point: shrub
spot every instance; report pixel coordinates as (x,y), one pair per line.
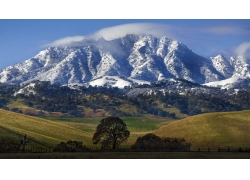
(71,146)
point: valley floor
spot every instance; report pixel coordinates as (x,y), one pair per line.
(129,155)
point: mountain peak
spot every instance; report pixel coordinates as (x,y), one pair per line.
(139,57)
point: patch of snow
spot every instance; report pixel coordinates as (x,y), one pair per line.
(110,81)
(223,84)
(29,89)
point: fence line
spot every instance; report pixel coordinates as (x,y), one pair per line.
(11,148)
(220,149)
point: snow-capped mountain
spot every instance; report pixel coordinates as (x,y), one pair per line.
(236,71)
(232,66)
(129,59)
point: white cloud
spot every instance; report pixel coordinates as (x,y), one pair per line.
(115,32)
(243,50)
(67,41)
(133,28)
(183,33)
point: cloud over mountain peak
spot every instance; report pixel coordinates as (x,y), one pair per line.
(114,32)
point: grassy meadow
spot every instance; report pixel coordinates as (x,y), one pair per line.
(223,129)
(49,131)
(211,130)
(138,126)
(39,131)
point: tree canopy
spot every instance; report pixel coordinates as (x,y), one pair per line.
(111,132)
(151,142)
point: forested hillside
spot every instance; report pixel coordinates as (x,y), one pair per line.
(160,99)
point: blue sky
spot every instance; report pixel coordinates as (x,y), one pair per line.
(22,39)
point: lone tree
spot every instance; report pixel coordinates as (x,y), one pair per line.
(111,132)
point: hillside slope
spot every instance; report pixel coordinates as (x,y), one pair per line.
(229,129)
(39,129)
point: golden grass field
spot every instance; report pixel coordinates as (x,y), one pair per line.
(223,129)
(40,129)
(138,126)
(53,130)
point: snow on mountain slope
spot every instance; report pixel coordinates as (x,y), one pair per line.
(234,82)
(224,84)
(142,58)
(236,71)
(241,66)
(222,65)
(27,90)
(110,81)
(29,69)
(115,81)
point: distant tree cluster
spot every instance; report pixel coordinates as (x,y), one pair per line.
(146,105)
(55,98)
(151,142)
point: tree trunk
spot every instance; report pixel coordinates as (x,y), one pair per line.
(114,144)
